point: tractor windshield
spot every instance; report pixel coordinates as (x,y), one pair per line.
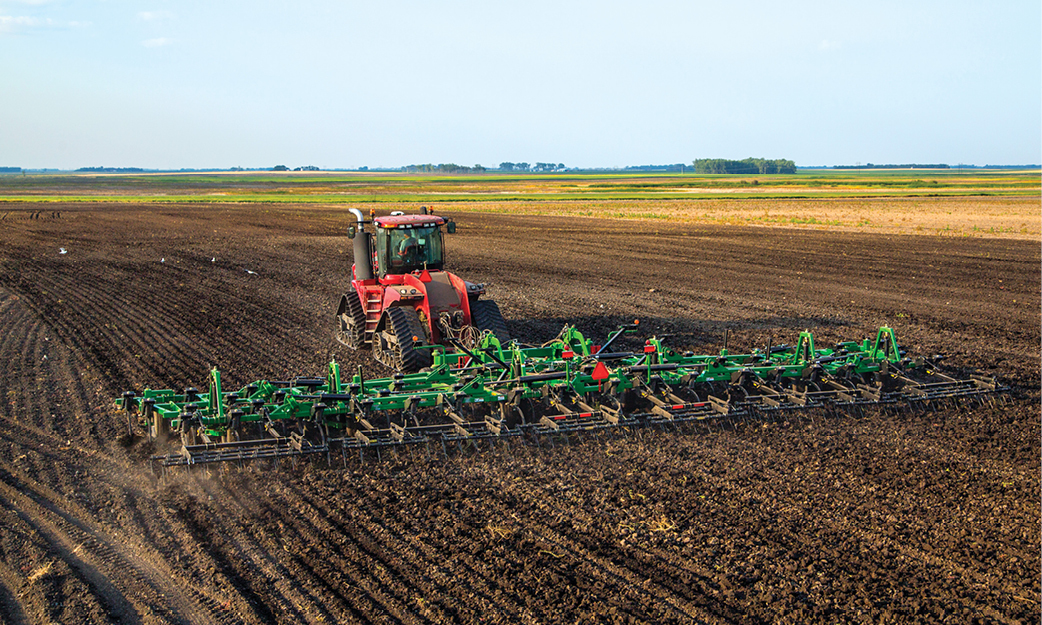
(404,250)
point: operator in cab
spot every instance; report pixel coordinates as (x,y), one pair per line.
(407,248)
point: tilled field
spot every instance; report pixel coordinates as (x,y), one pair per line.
(889,517)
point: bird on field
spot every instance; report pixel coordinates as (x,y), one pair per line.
(62,250)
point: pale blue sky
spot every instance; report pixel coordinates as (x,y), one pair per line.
(163,84)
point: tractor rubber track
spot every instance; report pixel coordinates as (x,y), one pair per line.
(486,316)
(402,355)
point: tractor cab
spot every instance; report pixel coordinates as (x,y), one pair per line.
(408,243)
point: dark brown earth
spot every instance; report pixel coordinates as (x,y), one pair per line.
(889,518)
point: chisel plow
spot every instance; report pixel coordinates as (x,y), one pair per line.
(501,391)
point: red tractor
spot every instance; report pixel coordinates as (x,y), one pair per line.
(402,298)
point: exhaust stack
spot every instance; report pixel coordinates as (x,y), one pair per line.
(362,249)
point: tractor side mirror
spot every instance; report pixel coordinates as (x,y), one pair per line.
(351,231)
(450,227)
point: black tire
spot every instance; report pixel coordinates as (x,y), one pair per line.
(401,354)
(485,315)
(350,321)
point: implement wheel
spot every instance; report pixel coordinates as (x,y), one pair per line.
(395,347)
(485,315)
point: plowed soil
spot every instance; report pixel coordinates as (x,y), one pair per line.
(885,518)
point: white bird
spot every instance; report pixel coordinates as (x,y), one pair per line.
(213,260)
(62,250)
(252,273)
(162,260)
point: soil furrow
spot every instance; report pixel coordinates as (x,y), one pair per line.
(425,571)
(121,559)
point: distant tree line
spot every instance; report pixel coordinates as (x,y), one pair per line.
(443,168)
(745,166)
(539,167)
(111,170)
(905,166)
(667,168)
(10,170)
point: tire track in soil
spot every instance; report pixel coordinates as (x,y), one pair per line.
(10,608)
(261,577)
(163,538)
(45,584)
(378,570)
(809,538)
(92,462)
(632,581)
(124,575)
(305,579)
(68,550)
(405,522)
(417,560)
(198,563)
(18,324)
(472,579)
(843,523)
(158,567)
(26,563)
(301,540)
(89,324)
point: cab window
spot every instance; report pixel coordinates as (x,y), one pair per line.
(404,250)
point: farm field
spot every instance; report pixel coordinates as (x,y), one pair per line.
(890,517)
(941,202)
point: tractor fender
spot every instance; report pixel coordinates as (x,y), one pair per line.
(462,291)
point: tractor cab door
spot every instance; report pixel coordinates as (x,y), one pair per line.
(404,250)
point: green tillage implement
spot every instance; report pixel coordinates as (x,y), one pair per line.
(495,391)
